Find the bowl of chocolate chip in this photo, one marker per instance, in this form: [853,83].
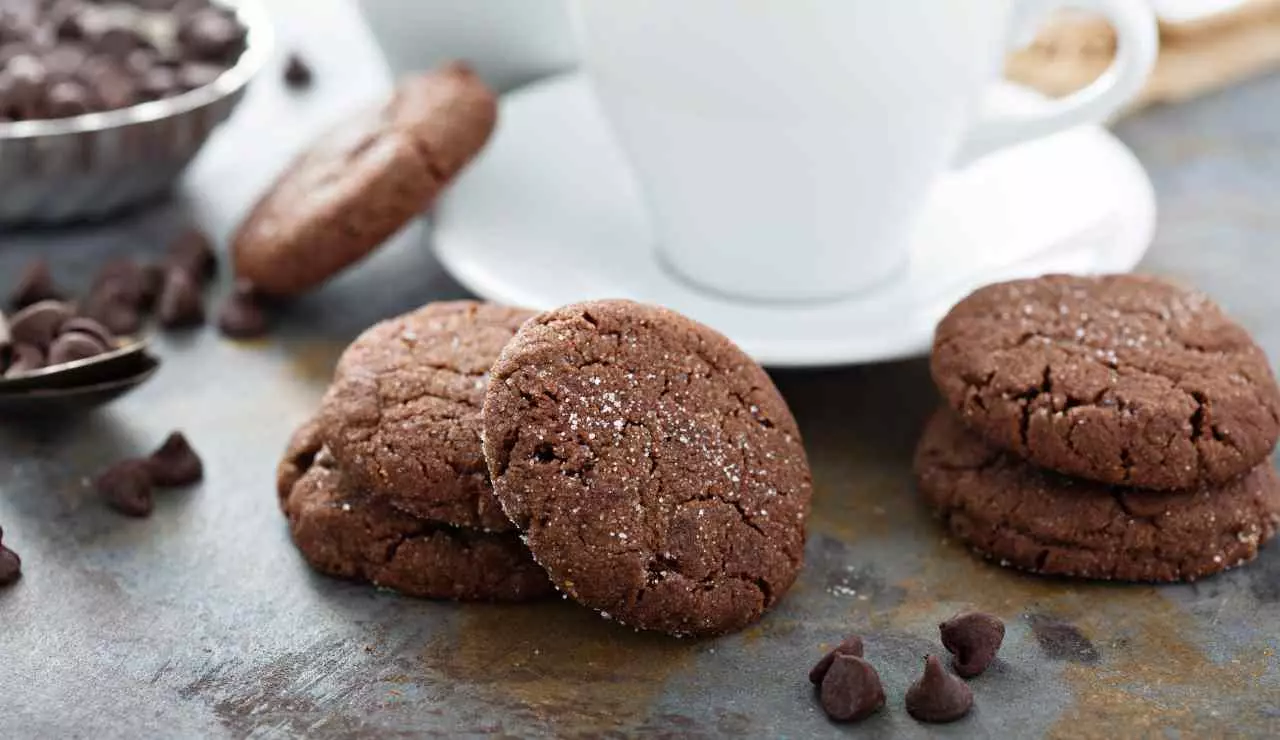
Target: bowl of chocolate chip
[104,102]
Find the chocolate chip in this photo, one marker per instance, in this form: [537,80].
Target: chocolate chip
[38,323]
[851,689]
[63,63]
[117,315]
[117,296]
[86,325]
[938,696]
[973,640]
[296,72]
[181,305]
[10,564]
[851,645]
[126,487]
[27,72]
[35,285]
[66,99]
[212,35]
[242,315]
[23,359]
[193,253]
[159,82]
[121,280]
[72,346]
[193,75]
[175,463]
[113,86]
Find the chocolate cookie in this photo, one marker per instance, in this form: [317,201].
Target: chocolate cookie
[403,414]
[347,534]
[1120,379]
[1043,522]
[363,180]
[656,472]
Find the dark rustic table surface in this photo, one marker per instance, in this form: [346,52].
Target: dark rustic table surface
[202,621]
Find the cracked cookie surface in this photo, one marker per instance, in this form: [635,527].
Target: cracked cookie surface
[344,533]
[1121,379]
[403,414]
[1045,522]
[653,467]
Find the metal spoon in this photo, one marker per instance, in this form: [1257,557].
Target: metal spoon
[70,400]
[124,361]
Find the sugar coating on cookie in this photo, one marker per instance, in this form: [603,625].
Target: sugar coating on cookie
[1040,521]
[403,413]
[653,467]
[345,533]
[1121,379]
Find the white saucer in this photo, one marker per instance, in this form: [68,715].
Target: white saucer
[548,215]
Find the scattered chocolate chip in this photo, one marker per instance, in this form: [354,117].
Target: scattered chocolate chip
[296,72]
[851,689]
[86,325]
[851,645]
[938,696]
[24,358]
[193,253]
[35,285]
[175,463]
[973,640]
[10,564]
[121,280]
[72,346]
[181,304]
[152,284]
[126,487]
[117,315]
[242,315]
[38,323]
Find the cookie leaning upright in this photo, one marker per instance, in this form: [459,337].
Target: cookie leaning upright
[1120,379]
[655,470]
[363,180]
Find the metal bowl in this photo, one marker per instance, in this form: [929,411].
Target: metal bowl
[90,166]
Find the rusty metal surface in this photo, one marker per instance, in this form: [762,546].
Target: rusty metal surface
[202,621]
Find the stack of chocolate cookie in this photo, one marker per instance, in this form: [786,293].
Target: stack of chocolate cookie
[634,459]
[1114,427]
[388,484]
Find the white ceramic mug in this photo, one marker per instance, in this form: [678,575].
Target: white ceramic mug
[509,42]
[784,148]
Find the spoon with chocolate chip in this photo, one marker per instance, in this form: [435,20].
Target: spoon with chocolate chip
[52,356]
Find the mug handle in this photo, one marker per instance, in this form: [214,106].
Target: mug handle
[1136,46]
